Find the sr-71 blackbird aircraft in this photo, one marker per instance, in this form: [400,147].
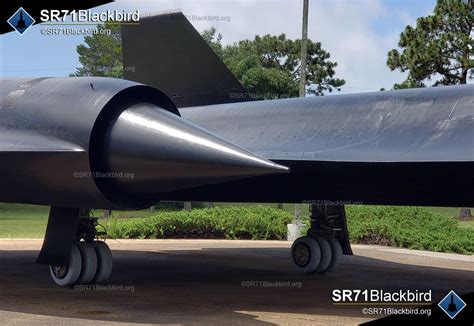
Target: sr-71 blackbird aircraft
[180,127]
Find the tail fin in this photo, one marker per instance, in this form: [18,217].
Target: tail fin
[166,52]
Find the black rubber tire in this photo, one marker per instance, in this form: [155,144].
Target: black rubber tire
[89,263]
[104,262]
[326,254]
[336,249]
[306,254]
[74,269]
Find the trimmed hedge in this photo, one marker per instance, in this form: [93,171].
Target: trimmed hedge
[408,227]
[262,223]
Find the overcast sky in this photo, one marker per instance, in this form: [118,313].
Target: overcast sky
[357,33]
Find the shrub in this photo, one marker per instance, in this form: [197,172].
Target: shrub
[215,223]
[409,227]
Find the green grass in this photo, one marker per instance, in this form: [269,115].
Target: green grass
[453,213]
[446,211]
[29,221]
[467,225]
[23,221]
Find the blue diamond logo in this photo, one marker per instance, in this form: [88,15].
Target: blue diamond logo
[21,21]
[452,304]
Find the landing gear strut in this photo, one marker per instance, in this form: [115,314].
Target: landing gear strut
[89,260]
[321,250]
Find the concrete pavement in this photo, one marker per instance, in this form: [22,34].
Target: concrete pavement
[216,282]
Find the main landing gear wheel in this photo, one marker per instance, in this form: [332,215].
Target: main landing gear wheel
[306,254]
[69,273]
[88,263]
[336,251]
[316,254]
[326,254]
[104,262]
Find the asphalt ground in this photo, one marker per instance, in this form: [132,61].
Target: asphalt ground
[191,282]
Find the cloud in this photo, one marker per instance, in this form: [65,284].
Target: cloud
[348,31]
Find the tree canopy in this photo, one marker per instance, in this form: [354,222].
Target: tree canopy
[102,54]
[267,66]
[439,47]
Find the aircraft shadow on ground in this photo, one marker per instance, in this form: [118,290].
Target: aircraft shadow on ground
[238,283]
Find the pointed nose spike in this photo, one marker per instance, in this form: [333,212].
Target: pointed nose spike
[165,152]
[278,168]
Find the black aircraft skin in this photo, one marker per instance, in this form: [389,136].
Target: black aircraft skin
[410,147]
[181,127]
[404,147]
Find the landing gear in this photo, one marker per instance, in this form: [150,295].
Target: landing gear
[90,260]
[320,251]
[89,263]
[316,254]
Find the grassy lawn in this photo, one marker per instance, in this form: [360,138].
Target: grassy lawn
[467,224]
[447,211]
[22,221]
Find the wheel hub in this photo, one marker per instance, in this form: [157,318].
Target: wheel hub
[302,254]
[60,271]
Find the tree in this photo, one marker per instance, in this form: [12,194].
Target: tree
[440,46]
[409,83]
[269,66]
[103,54]
[213,39]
